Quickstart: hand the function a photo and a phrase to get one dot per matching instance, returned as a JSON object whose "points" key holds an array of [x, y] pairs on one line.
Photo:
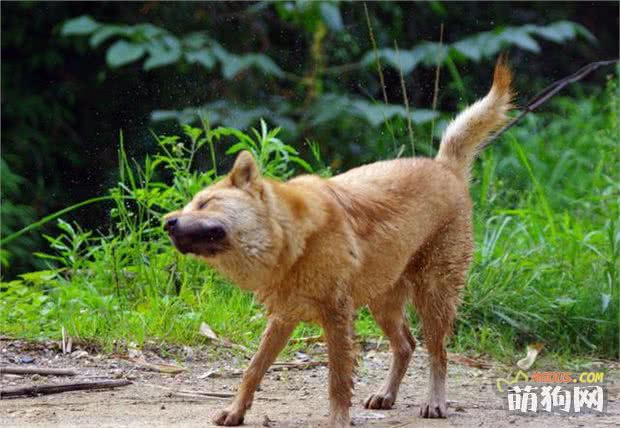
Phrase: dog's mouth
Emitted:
{"points": [[186, 245]]}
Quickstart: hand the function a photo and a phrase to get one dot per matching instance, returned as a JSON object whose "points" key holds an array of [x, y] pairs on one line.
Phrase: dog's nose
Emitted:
{"points": [[170, 223]]}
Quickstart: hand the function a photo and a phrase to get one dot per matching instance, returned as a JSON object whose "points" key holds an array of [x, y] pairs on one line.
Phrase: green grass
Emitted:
{"points": [[545, 269]]}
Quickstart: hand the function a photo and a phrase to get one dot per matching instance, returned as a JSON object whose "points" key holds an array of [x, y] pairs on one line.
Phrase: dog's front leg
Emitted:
{"points": [[274, 339], [337, 323]]}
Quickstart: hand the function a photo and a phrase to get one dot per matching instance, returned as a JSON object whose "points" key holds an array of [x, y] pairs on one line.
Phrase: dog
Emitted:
{"points": [[315, 249]]}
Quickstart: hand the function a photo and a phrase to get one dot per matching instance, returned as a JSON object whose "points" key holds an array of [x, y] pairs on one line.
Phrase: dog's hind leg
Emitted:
{"points": [[438, 274], [389, 312]]}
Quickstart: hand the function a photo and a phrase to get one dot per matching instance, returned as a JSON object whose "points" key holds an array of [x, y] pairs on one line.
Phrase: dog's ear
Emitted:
{"points": [[245, 172]]}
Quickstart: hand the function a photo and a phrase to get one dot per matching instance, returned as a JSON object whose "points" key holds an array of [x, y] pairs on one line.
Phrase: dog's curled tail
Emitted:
{"points": [[466, 133]]}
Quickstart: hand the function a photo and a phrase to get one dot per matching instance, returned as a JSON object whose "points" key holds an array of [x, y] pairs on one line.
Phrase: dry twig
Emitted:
{"points": [[35, 390], [405, 99], [37, 370], [436, 87], [376, 51]]}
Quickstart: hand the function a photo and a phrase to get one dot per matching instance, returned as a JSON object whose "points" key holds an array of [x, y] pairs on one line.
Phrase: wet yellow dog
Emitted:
{"points": [[314, 249]]}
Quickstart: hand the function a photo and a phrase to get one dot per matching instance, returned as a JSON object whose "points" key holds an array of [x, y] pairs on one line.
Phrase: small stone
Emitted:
{"points": [[266, 421], [163, 407], [209, 374], [79, 354], [12, 376], [459, 409]]}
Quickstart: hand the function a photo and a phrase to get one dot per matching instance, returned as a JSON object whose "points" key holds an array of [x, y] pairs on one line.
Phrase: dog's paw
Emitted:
{"points": [[433, 410], [339, 421], [383, 401], [229, 418]]}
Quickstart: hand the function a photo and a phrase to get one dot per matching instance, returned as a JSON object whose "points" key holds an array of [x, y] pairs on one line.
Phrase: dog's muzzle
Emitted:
{"points": [[203, 237]]}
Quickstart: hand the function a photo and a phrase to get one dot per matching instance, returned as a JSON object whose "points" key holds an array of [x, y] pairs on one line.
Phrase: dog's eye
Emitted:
{"points": [[202, 205]]}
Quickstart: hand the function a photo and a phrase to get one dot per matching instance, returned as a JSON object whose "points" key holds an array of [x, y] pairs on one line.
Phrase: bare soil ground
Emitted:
{"points": [[287, 398]]}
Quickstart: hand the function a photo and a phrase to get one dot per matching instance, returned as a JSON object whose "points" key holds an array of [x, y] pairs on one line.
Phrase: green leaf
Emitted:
{"points": [[563, 30], [328, 107], [122, 52], [237, 147], [79, 26], [147, 31], [331, 16], [162, 53], [426, 52], [235, 64], [195, 41], [585, 33], [105, 32], [264, 63], [160, 115], [203, 57], [420, 116], [331, 106], [477, 46], [39, 276], [299, 161], [378, 113], [408, 59], [480, 45], [520, 38]]}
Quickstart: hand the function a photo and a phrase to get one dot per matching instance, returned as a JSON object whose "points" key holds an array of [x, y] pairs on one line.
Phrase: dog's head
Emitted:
{"points": [[227, 222]]}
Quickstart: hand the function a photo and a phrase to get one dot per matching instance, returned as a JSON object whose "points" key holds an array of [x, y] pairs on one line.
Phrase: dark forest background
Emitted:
{"points": [[64, 104]]}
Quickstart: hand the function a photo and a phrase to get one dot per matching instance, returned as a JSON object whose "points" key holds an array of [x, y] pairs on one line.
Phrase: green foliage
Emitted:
{"points": [[330, 107], [13, 214], [161, 48], [311, 15], [479, 46], [273, 156]]}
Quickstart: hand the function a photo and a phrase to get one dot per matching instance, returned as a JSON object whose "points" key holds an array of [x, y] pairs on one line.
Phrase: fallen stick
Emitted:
{"points": [[461, 359], [308, 339], [203, 394], [281, 366], [199, 395], [195, 393], [296, 365], [161, 368], [55, 389], [37, 370]]}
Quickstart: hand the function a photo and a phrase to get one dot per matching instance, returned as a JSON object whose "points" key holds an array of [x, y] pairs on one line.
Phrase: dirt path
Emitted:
{"points": [[287, 398]]}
